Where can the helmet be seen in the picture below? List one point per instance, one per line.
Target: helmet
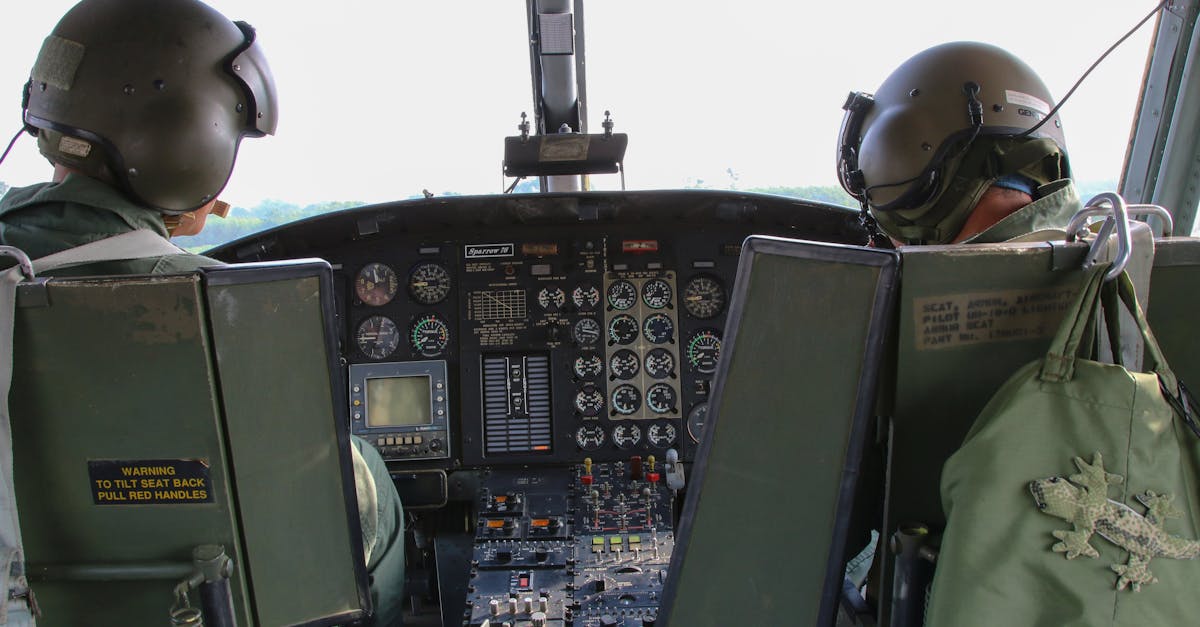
(153, 96)
(941, 129)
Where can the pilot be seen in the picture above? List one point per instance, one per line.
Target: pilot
(140, 106)
(961, 143)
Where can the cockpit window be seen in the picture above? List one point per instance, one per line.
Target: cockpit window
(383, 101)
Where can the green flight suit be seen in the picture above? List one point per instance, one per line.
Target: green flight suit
(50, 217)
(1044, 219)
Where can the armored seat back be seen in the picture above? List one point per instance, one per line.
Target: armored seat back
(155, 415)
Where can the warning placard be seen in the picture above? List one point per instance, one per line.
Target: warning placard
(980, 317)
(150, 481)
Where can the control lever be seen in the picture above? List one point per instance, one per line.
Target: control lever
(674, 468)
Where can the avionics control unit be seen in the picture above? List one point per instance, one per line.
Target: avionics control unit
(402, 408)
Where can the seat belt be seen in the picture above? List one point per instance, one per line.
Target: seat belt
(17, 604)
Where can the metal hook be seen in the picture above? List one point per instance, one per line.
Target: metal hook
(1118, 219)
(1077, 229)
(22, 260)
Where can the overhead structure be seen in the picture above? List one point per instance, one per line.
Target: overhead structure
(560, 152)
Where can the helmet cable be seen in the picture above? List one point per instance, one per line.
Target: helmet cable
(1161, 5)
(10, 144)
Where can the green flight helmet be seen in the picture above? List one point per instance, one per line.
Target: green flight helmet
(152, 96)
(943, 127)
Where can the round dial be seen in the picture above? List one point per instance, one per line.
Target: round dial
(695, 421)
(662, 434)
(622, 295)
(662, 399)
(429, 283)
(377, 337)
(659, 328)
(588, 366)
(660, 363)
(585, 297)
(376, 284)
(622, 329)
(589, 437)
(626, 435)
(429, 335)
(704, 297)
(589, 401)
(656, 293)
(586, 331)
(624, 364)
(626, 399)
(551, 298)
(703, 350)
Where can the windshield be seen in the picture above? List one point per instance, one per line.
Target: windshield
(385, 100)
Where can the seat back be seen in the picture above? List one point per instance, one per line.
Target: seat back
(766, 517)
(152, 415)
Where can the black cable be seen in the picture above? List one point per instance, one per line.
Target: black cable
(11, 144)
(1120, 41)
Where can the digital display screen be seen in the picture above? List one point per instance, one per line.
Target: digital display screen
(398, 401)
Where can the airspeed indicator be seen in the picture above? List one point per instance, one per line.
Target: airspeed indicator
(703, 297)
(429, 283)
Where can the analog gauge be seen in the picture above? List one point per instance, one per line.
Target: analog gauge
(626, 400)
(622, 329)
(377, 337)
(586, 331)
(626, 435)
(660, 363)
(585, 297)
(659, 328)
(661, 399)
(589, 401)
(703, 350)
(622, 295)
(624, 364)
(695, 421)
(551, 298)
(589, 437)
(588, 366)
(376, 284)
(704, 297)
(429, 283)
(662, 434)
(429, 335)
(656, 293)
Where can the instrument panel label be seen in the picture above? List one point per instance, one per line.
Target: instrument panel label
(150, 481)
(478, 251)
(982, 317)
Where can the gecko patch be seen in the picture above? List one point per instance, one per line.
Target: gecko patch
(1082, 500)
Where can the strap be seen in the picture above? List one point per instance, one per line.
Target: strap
(17, 606)
(1059, 364)
(1081, 321)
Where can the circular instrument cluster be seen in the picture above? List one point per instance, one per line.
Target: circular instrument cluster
(378, 336)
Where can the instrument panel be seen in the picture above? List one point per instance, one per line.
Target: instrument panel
(568, 325)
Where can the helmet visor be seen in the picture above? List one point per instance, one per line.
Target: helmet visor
(249, 66)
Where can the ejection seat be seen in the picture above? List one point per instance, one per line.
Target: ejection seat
(177, 430)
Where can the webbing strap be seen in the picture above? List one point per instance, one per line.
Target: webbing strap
(15, 597)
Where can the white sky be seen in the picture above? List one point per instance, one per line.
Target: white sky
(381, 99)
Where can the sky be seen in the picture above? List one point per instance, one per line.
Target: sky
(382, 99)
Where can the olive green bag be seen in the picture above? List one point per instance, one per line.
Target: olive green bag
(1075, 497)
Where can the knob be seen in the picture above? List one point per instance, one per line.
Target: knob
(512, 606)
(528, 603)
(608, 621)
(543, 604)
(435, 444)
(494, 607)
(539, 619)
